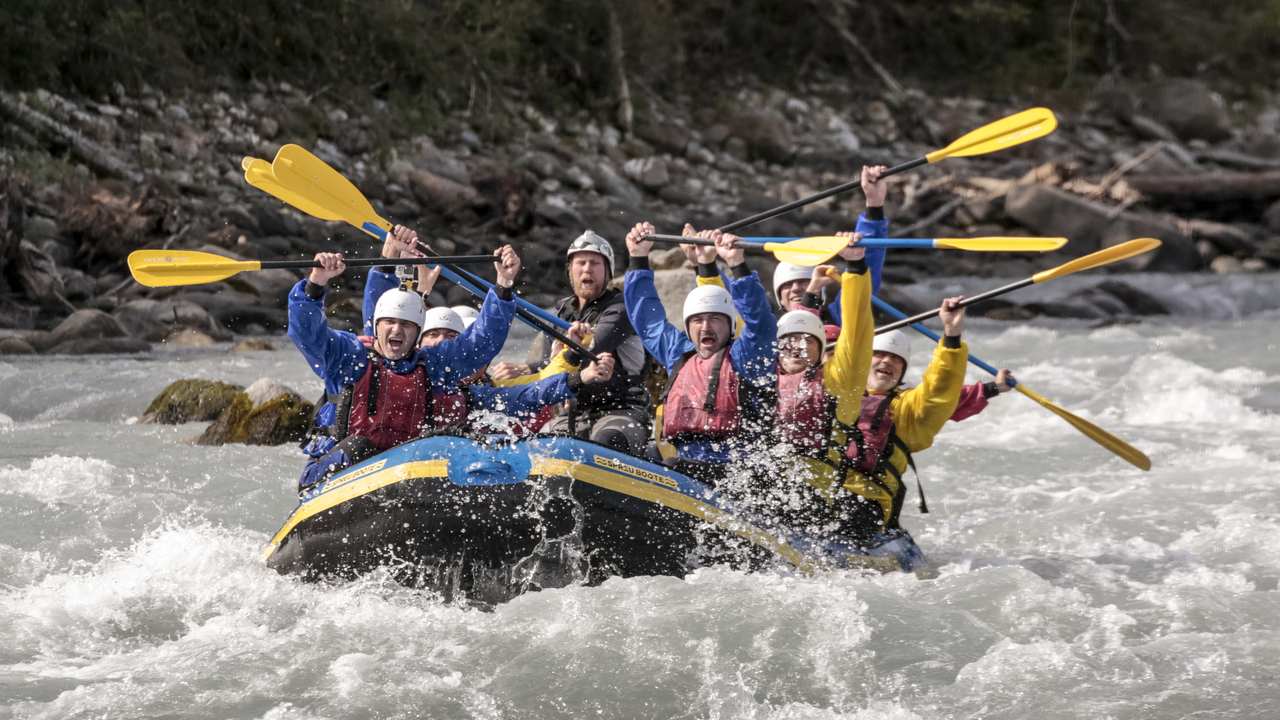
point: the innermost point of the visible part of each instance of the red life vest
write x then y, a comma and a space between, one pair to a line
449, 408
804, 411
875, 428
702, 399
386, 408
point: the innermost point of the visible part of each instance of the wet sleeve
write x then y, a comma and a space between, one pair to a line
753, 353
523, 400
375, 286
336, 357
663, 340
919, 413
451, 361
973, 400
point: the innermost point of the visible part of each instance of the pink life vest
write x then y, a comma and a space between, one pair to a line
702, 399
804, 411
875, 428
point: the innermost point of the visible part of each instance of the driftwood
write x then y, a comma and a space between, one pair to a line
49, 130
1238, 160
1209, 186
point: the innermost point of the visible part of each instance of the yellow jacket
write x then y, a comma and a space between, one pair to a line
918, 415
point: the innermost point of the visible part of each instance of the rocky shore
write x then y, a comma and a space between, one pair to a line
84, 181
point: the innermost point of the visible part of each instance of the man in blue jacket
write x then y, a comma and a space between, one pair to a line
718, 393
384, 391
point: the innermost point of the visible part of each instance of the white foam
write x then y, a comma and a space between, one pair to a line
58, 479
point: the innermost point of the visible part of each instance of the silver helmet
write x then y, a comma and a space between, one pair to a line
591, 242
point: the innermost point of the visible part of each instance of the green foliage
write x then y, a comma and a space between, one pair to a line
41, 168
434, 57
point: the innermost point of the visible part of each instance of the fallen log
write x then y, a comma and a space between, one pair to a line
1209, 186
47, 129
1238, 160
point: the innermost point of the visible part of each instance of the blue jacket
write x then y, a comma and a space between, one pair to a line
522, 401
874, 258
519, 401
340, 359
751, 354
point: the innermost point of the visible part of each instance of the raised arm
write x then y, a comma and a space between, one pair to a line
845, 374
452, 360
336, 357
753, 352
663, 340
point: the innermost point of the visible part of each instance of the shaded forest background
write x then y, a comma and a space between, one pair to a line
439, 57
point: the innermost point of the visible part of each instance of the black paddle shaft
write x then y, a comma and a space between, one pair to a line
528, 316
693, 241
783, 209
963, 303
374, 262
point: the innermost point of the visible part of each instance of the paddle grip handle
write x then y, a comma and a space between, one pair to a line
963, 303
886, 307
796, 205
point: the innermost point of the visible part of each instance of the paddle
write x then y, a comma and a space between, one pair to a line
1013, 130
980, 244
1092, 260
169, 268
309, 178
1124, 450
258, 173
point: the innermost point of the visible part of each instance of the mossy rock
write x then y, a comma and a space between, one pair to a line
191, 400
282, 419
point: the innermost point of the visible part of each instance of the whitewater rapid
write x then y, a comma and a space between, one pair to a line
1070, 583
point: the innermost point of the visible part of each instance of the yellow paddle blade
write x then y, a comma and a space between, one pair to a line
1127, 452
809, 251
1100, 258
1001, 244
258, 173
1013, 130
167, 268
247, 161
313, 180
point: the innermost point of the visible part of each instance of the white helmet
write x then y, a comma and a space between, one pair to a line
785, 273
591, 242
443, 318
802, 321
468, 314
894, 341
710, 299
400, 304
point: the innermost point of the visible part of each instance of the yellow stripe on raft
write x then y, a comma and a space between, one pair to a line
345, 491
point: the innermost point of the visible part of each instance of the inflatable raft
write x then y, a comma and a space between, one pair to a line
487, 506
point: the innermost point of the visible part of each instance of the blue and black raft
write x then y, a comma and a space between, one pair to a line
490, 503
